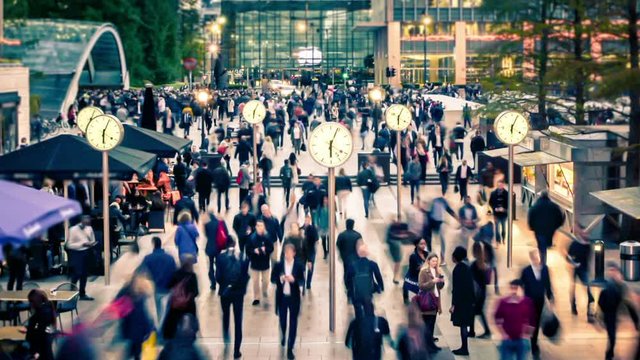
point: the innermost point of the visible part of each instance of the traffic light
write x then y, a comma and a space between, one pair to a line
388, 71
393, 72
345, 76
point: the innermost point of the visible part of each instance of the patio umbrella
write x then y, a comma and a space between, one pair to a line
154, 142
28, 212
70, 157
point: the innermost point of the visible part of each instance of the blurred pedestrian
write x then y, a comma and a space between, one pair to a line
499, 203
321, 222
81, 240
544, 218
41, 325
346, 244
363, 278
431, 280
481, 274
16, 258
243, 225
244, 181
160, 268
411, 341
232, 276
463, 175
412, 175
310, 243
578, 255
259, 249
515, 318
136, 325
366, 333
462, 298
186, 237
436, 218
537, 287
182, 299
443, 169
183, 346
217, 234
288, 275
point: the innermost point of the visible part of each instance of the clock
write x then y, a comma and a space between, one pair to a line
104, 132
254, 111
86, 115
511, 127
330, 144
398, 117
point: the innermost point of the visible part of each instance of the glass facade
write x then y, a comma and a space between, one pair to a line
297, 39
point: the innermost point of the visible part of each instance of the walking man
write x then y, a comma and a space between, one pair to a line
160, 266
499, 202
203, 180
217, 234
545, 217
463, 174
259, 249
537, 287
81, 239
515, 319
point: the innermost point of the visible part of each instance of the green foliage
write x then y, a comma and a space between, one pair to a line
148, 29
35, 102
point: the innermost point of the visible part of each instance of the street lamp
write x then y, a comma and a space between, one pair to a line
376, 96
426, 21
221, 20
203, 98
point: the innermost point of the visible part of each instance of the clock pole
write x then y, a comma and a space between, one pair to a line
510, 209
332, 249
399, 172
255, 154
105, 216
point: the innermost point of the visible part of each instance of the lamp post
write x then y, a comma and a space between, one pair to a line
426, 21
376, 96
203, 98
213, 50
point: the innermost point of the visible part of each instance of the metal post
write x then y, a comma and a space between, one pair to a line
424, 50
65, 191
255, 153
399, 167
105, 215
510, 211
332, 250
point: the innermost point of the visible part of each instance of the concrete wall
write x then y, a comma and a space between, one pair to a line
16, 78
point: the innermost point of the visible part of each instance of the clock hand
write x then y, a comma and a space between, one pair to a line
512, 124
254, 111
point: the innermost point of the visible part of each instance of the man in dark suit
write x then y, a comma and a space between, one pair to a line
537, 287
232, 277
185, 204
462, 298
463, 174
204, 181
288, 275
222, 182
545, 217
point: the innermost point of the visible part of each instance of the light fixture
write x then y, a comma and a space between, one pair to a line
203, 96
221, 20
301, 27
375, 94
213, 48
215, 28
426, 20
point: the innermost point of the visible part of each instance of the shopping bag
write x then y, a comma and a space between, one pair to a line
150, 347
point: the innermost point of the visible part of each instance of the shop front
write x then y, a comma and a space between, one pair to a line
9, 103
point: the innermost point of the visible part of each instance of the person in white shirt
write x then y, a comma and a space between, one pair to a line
81, 239
463, 174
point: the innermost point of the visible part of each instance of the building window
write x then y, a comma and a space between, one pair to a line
8, 121
561, 180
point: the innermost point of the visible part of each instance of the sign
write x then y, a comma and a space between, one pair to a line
189, 63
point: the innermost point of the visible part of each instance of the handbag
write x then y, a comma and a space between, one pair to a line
426, 301
303, 147
456, 189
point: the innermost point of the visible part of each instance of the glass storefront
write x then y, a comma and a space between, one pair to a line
561, 180
294, 40
8, 121
529, 177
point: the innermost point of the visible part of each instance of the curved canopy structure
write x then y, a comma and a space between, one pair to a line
65, 55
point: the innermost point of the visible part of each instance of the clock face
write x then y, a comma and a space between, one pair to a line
104, 132
254, 112
86, 115
398, 117
330, 144
511, 127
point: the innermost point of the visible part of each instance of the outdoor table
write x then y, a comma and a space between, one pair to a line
22, 295
144, 189
12, 333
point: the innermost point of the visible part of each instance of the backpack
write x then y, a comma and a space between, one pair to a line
180, 297
287, 173
240, 177
221, 236
233, 277
368, 337
362, 282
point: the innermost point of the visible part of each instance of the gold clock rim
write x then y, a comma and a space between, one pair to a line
331, 124
394, 127
120, 132
85, 109
502, 114
253, 121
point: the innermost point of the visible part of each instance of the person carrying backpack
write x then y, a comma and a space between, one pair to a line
286, 176
182, 298
232, 278
363, 278
217, 235
369, 184
365, 334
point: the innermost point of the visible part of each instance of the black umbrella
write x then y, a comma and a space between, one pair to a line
154, 142
70, 157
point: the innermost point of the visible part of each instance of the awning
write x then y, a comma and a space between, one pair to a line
369, 26
505, 151
535, 158
627, 200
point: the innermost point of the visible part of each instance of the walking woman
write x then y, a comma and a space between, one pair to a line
481, 273
40, 325
364, 130
444, 167
321, 220
462, 298
430, 279
343, 189
416, 261
423, 157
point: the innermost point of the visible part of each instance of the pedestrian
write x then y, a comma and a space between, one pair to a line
612, 298
515, 317
364, 130
182, 346
243, 224
186, 204
366, 333
436, 218
343, 189
463, 175
412, 176
273, 229
78, 246
423, 157
477, 144
311, 238
244, 181
321, 222
160, 268
41, 321
537, 287
222, 183
544, 218
443, 169
217, 234
487, 176
436, 136
466, 115
180, 174
259, 249
182, 299
481, 274
416, 261
499, 203
459, 132
411, 341
286, 176
203, 179
136, 325
431, 280
346, 244
186, 238
16, 258
578, 255
462, 298
265, 164
232, 279
369, 184
288, 275
363, 278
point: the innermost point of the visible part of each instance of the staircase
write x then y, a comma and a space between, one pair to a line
432, 179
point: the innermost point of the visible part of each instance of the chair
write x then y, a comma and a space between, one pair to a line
8, 312
67, 306
25, 306
156, 220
